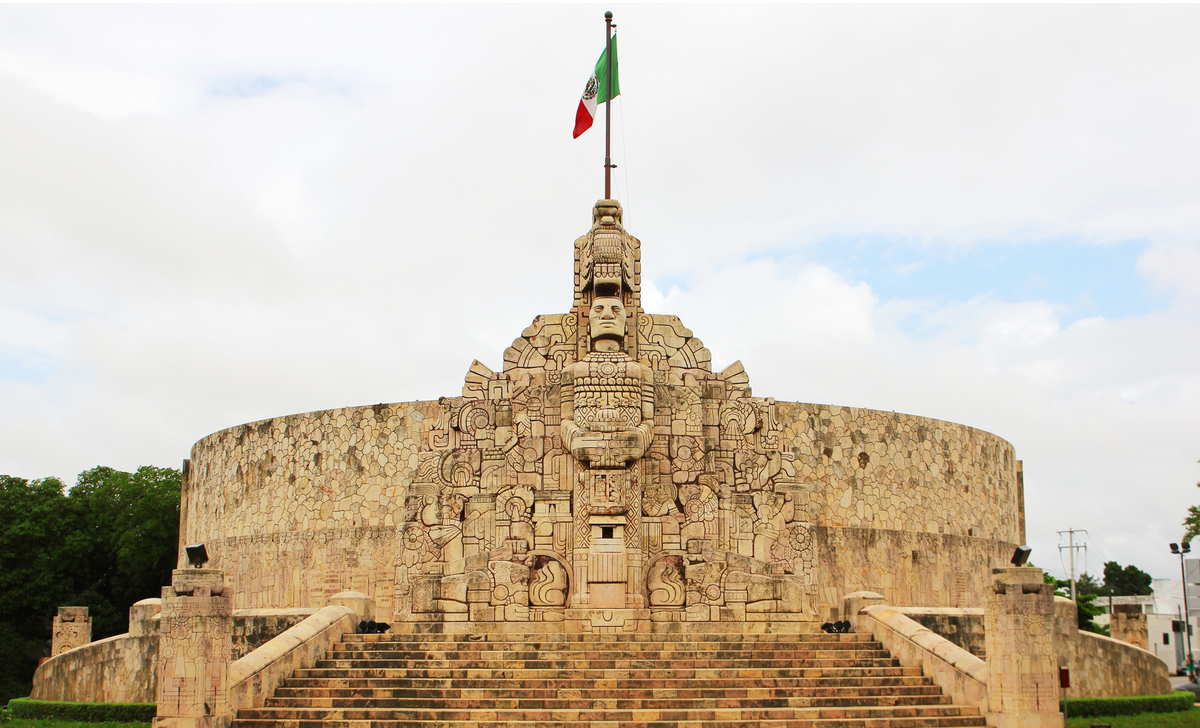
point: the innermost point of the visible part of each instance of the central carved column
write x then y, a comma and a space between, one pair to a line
607, 423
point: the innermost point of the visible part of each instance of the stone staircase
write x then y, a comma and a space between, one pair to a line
628, 680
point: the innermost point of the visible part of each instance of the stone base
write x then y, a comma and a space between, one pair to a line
223, 721
1026, 720
645, 626
607, 620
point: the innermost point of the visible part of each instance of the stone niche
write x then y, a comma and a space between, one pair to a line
607, 477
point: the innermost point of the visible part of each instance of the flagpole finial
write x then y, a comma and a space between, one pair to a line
608, 15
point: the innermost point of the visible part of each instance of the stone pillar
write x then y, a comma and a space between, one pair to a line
1130, 627
72, 628
142, 622
1022, 678
855, 602
196, 630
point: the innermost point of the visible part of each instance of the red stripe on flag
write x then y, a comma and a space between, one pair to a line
583, 120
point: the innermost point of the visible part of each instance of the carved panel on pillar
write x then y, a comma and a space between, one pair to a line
194, 653
72, 628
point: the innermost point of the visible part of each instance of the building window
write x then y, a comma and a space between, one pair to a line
1166, 638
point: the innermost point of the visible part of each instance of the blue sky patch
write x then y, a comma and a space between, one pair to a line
26, 367
247, 87
1081, 279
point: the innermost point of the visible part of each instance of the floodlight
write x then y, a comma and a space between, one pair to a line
1186, 548
197, 555
1175, 549
1021, 555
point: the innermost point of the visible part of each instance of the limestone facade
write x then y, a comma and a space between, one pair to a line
605, 468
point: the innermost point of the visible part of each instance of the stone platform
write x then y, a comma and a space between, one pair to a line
627, 680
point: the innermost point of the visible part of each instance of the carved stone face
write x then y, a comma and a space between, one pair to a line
607, 318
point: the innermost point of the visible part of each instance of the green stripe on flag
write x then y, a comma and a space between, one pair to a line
602, 94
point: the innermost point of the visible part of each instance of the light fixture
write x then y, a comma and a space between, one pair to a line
197, 555
1021, 555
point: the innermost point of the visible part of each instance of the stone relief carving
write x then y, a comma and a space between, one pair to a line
548, 583
658, 485
664, 582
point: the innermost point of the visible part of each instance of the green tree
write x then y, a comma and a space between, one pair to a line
1191, 524
1125, 581
1084, 603
1087, 584
107, 543
39, 565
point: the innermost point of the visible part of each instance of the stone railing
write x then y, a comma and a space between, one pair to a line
124, 668
958, 673
254, 678
1102, 666
119, 669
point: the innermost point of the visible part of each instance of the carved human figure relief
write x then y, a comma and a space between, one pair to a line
607, 398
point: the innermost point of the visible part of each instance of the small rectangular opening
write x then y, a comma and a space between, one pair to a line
606, 532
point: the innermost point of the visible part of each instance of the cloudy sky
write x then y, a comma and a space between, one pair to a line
990, 215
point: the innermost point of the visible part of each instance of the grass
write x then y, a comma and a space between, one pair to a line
51, 723
1184, 719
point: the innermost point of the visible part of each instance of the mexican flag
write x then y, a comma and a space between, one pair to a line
596, 91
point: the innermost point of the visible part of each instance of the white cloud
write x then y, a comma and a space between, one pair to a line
215, 214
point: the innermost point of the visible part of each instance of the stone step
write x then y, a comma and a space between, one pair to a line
589, 638
943, 722
691, 692
609, 664
602, 673
591, 715
417, 701
566, 682
574, 680
633, 654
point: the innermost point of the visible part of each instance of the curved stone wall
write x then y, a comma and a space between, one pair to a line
300, 507
873, 469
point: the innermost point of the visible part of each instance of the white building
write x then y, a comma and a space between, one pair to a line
1164, 619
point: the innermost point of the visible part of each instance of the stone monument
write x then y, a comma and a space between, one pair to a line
605, 478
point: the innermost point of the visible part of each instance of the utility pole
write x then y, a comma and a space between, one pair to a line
1071, 547
1180, 551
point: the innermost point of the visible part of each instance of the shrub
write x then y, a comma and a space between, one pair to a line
1084, 707
83, 712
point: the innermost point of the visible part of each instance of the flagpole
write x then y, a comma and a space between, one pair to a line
608, 107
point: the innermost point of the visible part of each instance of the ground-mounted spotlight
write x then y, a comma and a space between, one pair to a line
827, 627
373, 627
1020, 555
197, 555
